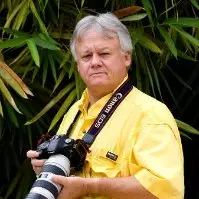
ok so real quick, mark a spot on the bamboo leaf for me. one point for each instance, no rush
(82, 3)
(185, 56)
(1, 109)
(148, 7)
(156, 77)
(45, 42)
(192, 39)
(13, 42)
(60, 78)
(11, 114)
(72, 69)
(8, 96)
(21, 17)
(45, 72)
(52, 66)
(69, 100)
(13, 13)
(127, 11)
(150, 79)
(34, 52)
(14, 81)
(185, 135)
(60, 95)
(136, 17)
(147, 43)
(186, 127)
(187, 22)
(168, 40)
(169, 89)
(17, 33)
(195, 3)
(41, 24)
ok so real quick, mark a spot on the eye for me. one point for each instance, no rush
(86, 57)
(104, 54)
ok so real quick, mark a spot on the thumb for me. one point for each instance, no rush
(59, 179)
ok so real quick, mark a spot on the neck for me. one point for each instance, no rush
(95, 96)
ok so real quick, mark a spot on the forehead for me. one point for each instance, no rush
(97, 39)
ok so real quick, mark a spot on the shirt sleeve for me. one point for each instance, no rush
(158, 153)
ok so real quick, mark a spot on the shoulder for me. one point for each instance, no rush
(152, 109)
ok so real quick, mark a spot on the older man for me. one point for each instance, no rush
(136, 150)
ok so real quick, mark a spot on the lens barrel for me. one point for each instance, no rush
(43, 187)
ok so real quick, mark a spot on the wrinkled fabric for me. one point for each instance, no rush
(142, 133)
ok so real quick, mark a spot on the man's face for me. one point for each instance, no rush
(100, 61)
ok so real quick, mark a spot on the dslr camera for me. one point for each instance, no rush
(62, 154)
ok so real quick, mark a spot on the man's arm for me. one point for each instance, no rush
(117, 188)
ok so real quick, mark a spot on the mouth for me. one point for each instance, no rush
(98, 73)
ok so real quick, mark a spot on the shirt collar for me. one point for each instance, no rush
(97, 106)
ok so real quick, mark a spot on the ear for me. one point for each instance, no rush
(127, 57)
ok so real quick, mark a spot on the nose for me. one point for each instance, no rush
(95, 60)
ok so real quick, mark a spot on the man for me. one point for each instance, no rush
(137, 153)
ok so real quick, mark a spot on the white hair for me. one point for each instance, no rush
(107, 24)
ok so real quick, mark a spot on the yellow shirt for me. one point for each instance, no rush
(142, 133)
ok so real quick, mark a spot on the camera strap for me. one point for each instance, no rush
(104, 115)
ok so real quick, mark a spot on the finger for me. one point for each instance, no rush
(59, 179)
(32, 154)
(37, 170)
(37, 163)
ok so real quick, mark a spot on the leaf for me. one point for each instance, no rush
(148, 7)
(185, 135)
(17, 33)
(14, 81)
(8, 96)
(60, 78)
(168, 40)
(34, 52)
(21, 17)
(13, 13)
(185, 56)
(186, 127)
(63, 109)
(169, 89)
(52, 66)
(136, 17)
(13, 42)
(41, 24)
(192, 39)
(82, 3)
(11, 114)
(195, 3)
(59, 96)
(146, 42)
(45, 72)
(45, 42)
(156, 77)
(127, 11)
(150, 79)
(1, 110)
(187, 22)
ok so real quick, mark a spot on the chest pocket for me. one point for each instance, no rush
(101, 165)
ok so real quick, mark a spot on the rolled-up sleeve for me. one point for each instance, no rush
(158, 152)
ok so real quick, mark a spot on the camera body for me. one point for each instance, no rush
(74, 150)
(62, 154)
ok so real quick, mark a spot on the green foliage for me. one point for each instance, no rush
(35, 46)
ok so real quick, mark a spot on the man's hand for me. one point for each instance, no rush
(36, 164)
(73, 187)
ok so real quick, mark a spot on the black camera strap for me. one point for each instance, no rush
(105, 113)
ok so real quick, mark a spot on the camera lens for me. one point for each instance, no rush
(43, 187)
